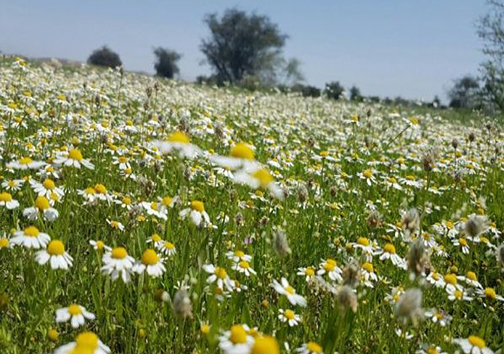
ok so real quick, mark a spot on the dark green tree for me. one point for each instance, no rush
(166, 62)
(464, 93)
(355, 94)
(104, 57)
(334, 90)
(241, 45)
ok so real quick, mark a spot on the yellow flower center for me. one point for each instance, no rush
(368, 174)
(368, 267)
(471, 275)
(178, 137)
(166, 201)
(205, 329)
(56, 248)
(123, 159)
(238, 334)
(90, 190)
(265, 345)
(42, 203)
(75, 154)
(119, 253)
(289, 314)
(290, 289)
(363, 241)
(129, 122)
(221, 273)
(5, 197)
(31, 231)
(105, 124)
(450, 279)
(149, 257)
(389, 248)
(263, 176)
(239, 253)
(490, 292)
(432, 351)
(310, 271)
(100, 245)
(169, 245)
(330, 265)
(100, 188)
(242, 151)
(314, 347)
(154, 206)
(392, 180)
(244, 265)
(4, 242)
(25, 160)
(435, 276)
(87, 340)
(12, 184)
(463, 242)
(458, 294)
(49, 184)
(74, 309)
(156, 238)
(477, 342)
(198, 206)
(126, 200)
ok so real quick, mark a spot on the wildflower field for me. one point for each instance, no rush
(140, 215)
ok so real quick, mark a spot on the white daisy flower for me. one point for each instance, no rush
(72, 158)
(25, 163)
(118, 263)
(56, 254)
(75, 313)
(289, 316)
(150, 263)
(284, 288)
(473, 345)
(7, 201)
(237, 340)
(86, 342)
(220, 275)
(30, 237)
(42, 205)
(196, 212)
(179, 144)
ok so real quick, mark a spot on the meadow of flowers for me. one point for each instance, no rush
(140, 215)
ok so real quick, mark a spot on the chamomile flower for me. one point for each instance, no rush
(31, 237)
(237, 340)
(116, 225)
(289, 316)
(167, 248)
(156, 240)
(5, 243)
(310, 348)
(72, 158)
(455, 294)
(473, 345)
(117, 263)
(43, 206)
(330, 267)
(240, 156)
(283, 288)
(462, 243)
(470, 279)
(75, 313)
(436, 279)
(367, 176)
(151, 263)
(307, 272)
(25, 163)
(489, 293)
(85, 343)
(47, 188)
(368, 275)
(389, 252)
(238, 256)
(13, 185)
(154, 209)
(438, 316)
(56, 254)
(7, 201)
(99, 245)
(218, 275)
(244, 267)
(257, 178)
(122, 162)
(197, 213)
(178, 143)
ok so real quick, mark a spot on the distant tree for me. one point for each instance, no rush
(436, 102)
(306, 90)
(334, 90)
(491, 31)
(166, 62)
(464, 93)
(355, 94)
(242, 45)
(104, 57)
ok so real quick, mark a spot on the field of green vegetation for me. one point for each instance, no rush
(140, 215)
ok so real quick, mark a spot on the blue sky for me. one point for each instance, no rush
(412, 48)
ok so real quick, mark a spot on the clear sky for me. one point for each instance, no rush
(412, 48)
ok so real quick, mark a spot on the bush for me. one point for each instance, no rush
(334, 90)
(104, 57)
(166, 62)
